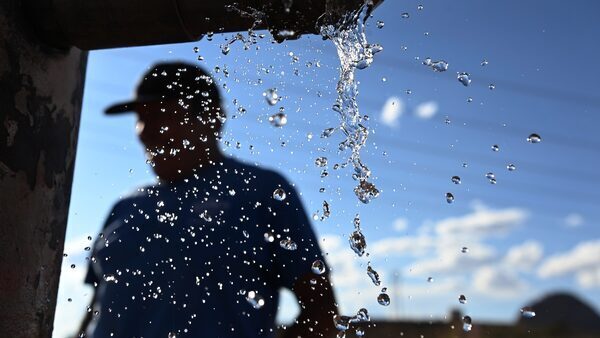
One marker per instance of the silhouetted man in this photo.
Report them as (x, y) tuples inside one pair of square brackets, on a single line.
[(205, 250)]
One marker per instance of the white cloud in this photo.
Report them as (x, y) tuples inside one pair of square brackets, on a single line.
[(352, 285), (400, 224), (582, 261), (437, 287), (573, 220), (426, 110), (413, 245), (589, 278), (524, 256), (391, 111), (482, 222), (450, 260), (498, 283), (342, 262)]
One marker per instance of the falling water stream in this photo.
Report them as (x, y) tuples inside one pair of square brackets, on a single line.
[(348, 36)]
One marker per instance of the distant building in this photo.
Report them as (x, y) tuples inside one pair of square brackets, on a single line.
[(558, 315)]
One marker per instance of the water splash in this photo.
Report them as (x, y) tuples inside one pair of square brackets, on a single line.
[(373, 275), (348, 36), (318, 267)]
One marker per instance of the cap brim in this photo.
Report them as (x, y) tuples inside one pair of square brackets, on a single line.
[(120, 108)]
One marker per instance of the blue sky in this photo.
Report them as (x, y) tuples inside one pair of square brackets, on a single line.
[(534, 231)]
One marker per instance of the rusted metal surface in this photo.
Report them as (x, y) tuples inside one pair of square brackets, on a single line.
[(40, 100)]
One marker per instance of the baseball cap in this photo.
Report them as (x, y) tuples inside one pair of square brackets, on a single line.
[(170, 80)]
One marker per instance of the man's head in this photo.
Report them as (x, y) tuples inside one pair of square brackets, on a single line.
[(180, 117)]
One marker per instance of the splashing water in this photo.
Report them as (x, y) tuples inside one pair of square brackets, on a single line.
[(467, 324), (527, 312), (288, 244), (354, 52), (383, 299), (279, 194), (254, 299), (341, 323), (373, 275), (318, 267)]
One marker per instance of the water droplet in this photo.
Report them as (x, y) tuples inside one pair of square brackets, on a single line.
[(490, 176), (380, 24), (285, 34), (271, 96), (225, 49), (495, 148), (109, 278), (492, 86), (404, 15), (493, 181), (321, 161), (484, 62), (342, 323), (196, 49), (288, 244), (462, 299), (467, 324), (327, 132), (469, 99), (527, 312), (357, 242), (172, 335), (318, 267), (456, 179), (383, 299), (341, 334), (449, 197), (326, 210), (269, 237), (436, 66), (366, 191), (420, 7), (373, 275), (464, 249), (376, 48), (361, 316), (279, 194), (278, 119), (359, 331), (313, 281), (534, 138), (511, 167), (464, 78), (256, 300)]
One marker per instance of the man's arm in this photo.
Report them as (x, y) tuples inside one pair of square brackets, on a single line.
[(317, 307)]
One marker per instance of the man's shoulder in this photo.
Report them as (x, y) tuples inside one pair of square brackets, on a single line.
[(253, 171)]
